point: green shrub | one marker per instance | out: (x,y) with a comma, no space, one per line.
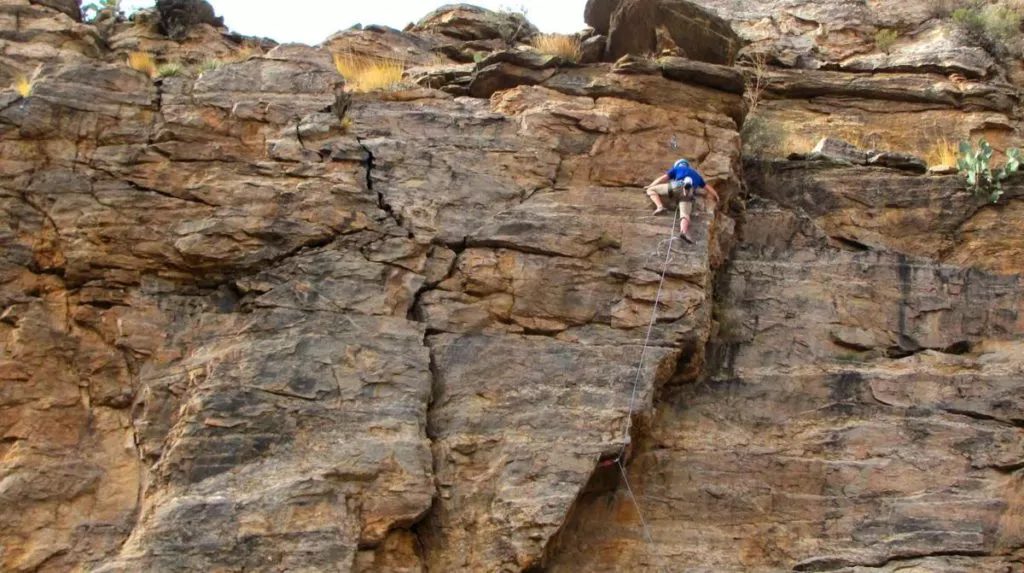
(994,27)
(970,20)
(1001,23)
(975,168)
(885,39)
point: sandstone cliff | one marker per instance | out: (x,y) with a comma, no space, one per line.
(251,321)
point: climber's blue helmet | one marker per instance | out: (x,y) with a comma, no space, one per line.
(681,163)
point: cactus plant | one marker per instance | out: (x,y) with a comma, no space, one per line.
(975,168)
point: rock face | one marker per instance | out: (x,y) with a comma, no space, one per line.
(249,322)
(33,34)
(70,7)
(467,22)
(814,34)
(239,332)
(633,27)
(886,434)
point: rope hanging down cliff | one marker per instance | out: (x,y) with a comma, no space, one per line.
(620,461)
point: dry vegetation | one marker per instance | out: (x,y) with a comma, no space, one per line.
(210,64)
(756,82)
(365,74)
(885,39)
(565,47)
(24,84)
(143,62)
(169,69)
(943,153)
(763,138)
(244,53)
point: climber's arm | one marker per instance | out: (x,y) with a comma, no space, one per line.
(659,180)
(710,192)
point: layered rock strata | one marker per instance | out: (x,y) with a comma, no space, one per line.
(252,322)
(242,331)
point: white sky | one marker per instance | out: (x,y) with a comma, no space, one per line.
(312,21)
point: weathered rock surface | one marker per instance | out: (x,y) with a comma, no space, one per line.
(33,34)
(886,434)
(633,26)
(383,42)
(70,7)
(251,323)
(467,22)
(266,323)
(830,34)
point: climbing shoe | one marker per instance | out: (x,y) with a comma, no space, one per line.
(686,238)
(659,211)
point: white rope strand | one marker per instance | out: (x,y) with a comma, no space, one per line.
(647,338)
(621,460)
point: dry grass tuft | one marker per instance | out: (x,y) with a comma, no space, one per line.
(170,69)
(142,62)
(365,74)
(210,64)
(566,47)
(944,152)
(23,86)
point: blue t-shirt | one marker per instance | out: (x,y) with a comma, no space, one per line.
(682,172)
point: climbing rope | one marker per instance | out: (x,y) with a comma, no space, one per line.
(647,338)
(621,460)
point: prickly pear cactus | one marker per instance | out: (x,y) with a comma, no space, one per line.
(975,168)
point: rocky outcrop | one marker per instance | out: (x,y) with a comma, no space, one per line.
(260,336)
(70,7)
(887,433)
(821,34)
(179,17)
(31,35)
(634,27)
(466,22)
(249,321)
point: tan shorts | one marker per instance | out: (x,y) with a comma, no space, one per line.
(685,207)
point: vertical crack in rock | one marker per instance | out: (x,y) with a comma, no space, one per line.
(298,136)
(427,519)
(414,314)
(381,200)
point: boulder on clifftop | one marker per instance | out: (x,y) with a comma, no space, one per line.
(465,22)
(178,17)
(633,27)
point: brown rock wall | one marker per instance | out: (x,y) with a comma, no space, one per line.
(249,322)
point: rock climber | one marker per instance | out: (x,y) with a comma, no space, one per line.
(682,183)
